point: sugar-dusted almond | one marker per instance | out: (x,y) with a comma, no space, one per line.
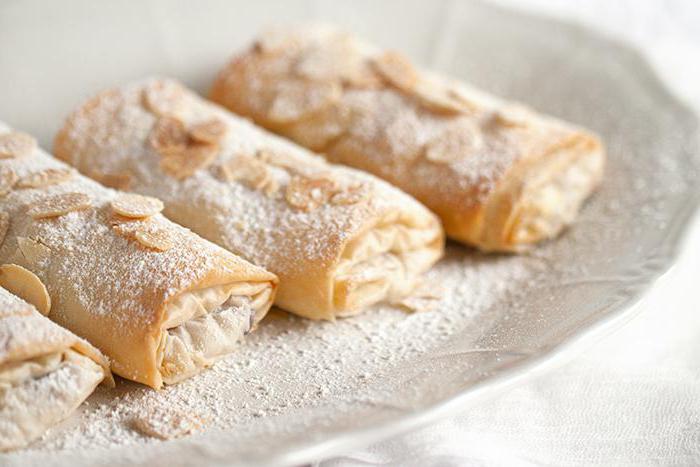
(210,131)
(168,136)
(118,181)
(310,193)
(186,162)
(44,178)
(8,180)
(16,144)
(351,195)
(297,99)
(458,141)
(32,250)
(26,285)
(437,98)
(396,69)
(58,205)
(136,206)
(166,424)
(159,240)
(249,170)
(163,98)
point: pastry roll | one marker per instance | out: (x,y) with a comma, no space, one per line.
(338,239)
(159,301)
(46,372)
(501,177)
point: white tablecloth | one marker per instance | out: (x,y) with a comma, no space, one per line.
(634,398)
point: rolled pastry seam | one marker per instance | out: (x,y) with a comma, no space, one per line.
(161,302)
(339,240)
(46,372)
(500,176)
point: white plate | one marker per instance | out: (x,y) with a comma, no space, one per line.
(299,390)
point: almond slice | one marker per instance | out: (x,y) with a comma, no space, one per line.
(8,179)
(58,205)
(167,424)
(163,98)
(249,170)
(118,181)
(295,100)
(16,144)
(136,206)
(45,178)
(32,250)
(4,225)
(396,69)
(437,98)
(168,136)
(212,131)
(186,162)
(351,195)
(159,240)
(26,285)
(310,193)
(458,141)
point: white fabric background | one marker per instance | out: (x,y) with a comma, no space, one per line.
(634,398)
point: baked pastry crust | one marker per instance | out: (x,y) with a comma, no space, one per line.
(339,240)
(500,176)
(46,372)
(125,283)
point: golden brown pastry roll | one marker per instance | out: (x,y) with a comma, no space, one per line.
(501,177)
(159,301)
(46,372)
(338,239)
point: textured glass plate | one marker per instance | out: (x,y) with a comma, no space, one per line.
(300,390)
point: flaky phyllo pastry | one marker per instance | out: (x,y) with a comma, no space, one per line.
(338,239)
(46,372)
(159,301)
(500,176)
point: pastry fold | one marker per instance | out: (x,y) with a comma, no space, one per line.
(500,176)
(339,239)
(46,372)
(161,302)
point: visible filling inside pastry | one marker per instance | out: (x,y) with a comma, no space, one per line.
(37,393)
(383,264)
(553,201)
(204,325)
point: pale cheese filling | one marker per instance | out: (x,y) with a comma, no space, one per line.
(383,264)
(547,207)
(38,393)
(204,325)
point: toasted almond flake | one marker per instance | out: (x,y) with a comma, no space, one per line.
(163,98)
(212,131)
(168,136)
(16,144)
(4,225)
(136,206)
(26,285)
(247,169)
(396,69)
(458,141)
(310,193)
(436,98)
(167,424)
(273,40)
(117,181)
(158,240)
(58,205)
(514,116)
(8,179)
(186,162)
(32,250)
(44,178)
(351,195)
(297,99)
